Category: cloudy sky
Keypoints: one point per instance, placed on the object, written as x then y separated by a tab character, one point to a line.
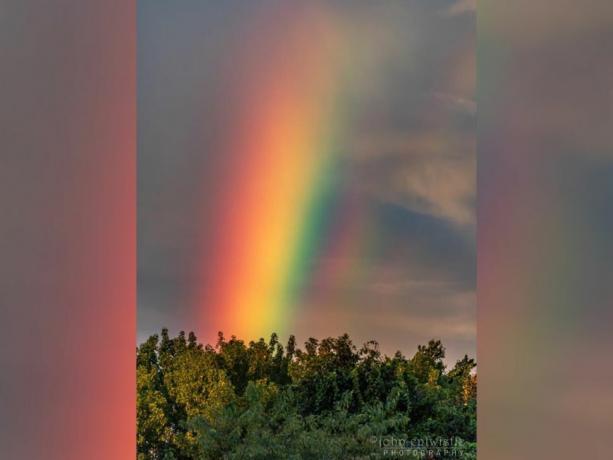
390	87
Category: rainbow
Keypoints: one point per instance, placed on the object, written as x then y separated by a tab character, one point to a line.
279	184
284	231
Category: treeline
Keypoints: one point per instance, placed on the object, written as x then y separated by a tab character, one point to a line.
330	400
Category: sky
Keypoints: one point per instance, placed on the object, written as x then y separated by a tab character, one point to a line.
308	168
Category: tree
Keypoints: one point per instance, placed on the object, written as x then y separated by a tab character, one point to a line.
266	401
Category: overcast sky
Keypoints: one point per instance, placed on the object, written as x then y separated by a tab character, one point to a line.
407	163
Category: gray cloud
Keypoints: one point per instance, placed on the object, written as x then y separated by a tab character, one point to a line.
407	148
427	173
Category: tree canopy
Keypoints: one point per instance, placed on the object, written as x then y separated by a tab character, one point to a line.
330	400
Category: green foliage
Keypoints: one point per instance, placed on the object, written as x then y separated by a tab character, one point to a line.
266	401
